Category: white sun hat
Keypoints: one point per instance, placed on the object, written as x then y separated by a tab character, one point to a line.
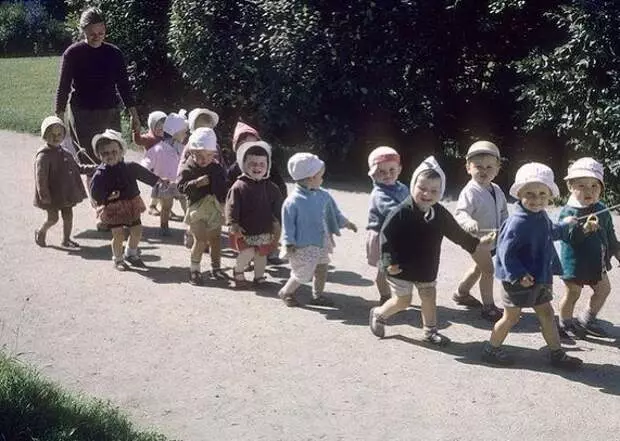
482	148
112	135
379	155
586	168
50	121
534	172
174	124
195	113
304	165
154	118
204	139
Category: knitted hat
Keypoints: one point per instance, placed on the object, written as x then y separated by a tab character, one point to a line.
50	121
194	114
379	155
243	149
203	139
154	118
304	165
112	135
174	124
240	129
429	163
586	168
482	148
534	172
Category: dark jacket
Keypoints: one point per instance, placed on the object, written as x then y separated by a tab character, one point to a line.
57	179
274	176
253	205
190	171
121	177
414	244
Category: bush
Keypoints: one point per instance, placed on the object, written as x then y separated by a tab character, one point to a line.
26	28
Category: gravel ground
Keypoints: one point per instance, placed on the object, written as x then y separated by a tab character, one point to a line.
200	363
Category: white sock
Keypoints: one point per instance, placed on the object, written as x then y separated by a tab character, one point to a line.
194	266
131	251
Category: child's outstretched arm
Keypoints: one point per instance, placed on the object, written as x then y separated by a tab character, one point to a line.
142	174
342	221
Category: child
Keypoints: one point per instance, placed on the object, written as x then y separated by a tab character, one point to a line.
526	262
587	249
198	118
309	216
203	181
387	192
163	159
115	191
410	249
58	183
245	133
481	208
253	211
149	139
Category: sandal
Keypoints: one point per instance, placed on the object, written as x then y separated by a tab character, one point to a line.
466	299
120	265
288	299
491	313
195	278
68	243
433	337
239	280
321	300
218	274
259	280
39	238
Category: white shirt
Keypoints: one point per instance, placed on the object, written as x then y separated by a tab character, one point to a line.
476	205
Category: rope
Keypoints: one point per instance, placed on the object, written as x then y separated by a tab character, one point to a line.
613	207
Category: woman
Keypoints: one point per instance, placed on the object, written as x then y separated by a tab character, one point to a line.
94	73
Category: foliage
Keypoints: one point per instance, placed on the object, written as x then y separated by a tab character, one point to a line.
27	28
33	408
573	89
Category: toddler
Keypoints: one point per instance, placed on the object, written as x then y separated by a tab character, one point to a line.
525	263
410	242
163	160
387	192
203	181
309	217
252	210
481	208
586	250
57	181
114	189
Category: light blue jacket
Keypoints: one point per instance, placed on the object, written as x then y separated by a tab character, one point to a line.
306	213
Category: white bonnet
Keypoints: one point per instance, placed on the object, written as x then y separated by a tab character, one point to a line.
304	165
429	163
50	121
203	138
112	135
154	118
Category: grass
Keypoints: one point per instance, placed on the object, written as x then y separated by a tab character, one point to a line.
28	89
32	408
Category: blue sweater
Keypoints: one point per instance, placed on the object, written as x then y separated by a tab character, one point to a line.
306	213
525	246
383	199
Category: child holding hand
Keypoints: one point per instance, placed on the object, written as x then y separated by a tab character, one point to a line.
525	263
411	247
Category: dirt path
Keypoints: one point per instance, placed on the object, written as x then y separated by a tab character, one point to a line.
206	363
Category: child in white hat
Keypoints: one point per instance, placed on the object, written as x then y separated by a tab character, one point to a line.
163	160
481	208
199	118
411	247
155	123
203	181
57	182
114	189
586	250
252	211
310	217
387	192
525	263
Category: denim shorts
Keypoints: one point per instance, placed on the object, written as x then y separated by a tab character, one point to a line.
516	296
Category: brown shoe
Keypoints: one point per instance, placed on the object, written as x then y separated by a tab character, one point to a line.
39	238
466	299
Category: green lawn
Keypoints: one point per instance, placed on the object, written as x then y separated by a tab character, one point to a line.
28	89
32	408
